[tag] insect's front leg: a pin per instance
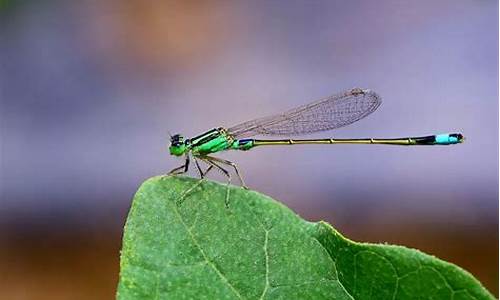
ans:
(182, 169)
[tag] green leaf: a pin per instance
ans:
(182, 242)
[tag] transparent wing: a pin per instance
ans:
(329, 113)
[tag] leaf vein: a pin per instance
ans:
(195, 241)
(266, 255)
(266, 287)
(335, 267)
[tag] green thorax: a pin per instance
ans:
(216, 140)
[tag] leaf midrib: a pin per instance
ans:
(195, 241)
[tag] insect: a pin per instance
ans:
(326, 114)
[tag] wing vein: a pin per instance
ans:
(326, 114)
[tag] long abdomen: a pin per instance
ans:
(441, 139)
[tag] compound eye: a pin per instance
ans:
(176, 139)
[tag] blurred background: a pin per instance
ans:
(90, 89)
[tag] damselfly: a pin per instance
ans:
(329, 113)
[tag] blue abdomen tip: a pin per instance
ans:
(447, 139)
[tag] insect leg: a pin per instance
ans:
(224, 171)
(182, 169)
(230, 163)
(200, 171)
